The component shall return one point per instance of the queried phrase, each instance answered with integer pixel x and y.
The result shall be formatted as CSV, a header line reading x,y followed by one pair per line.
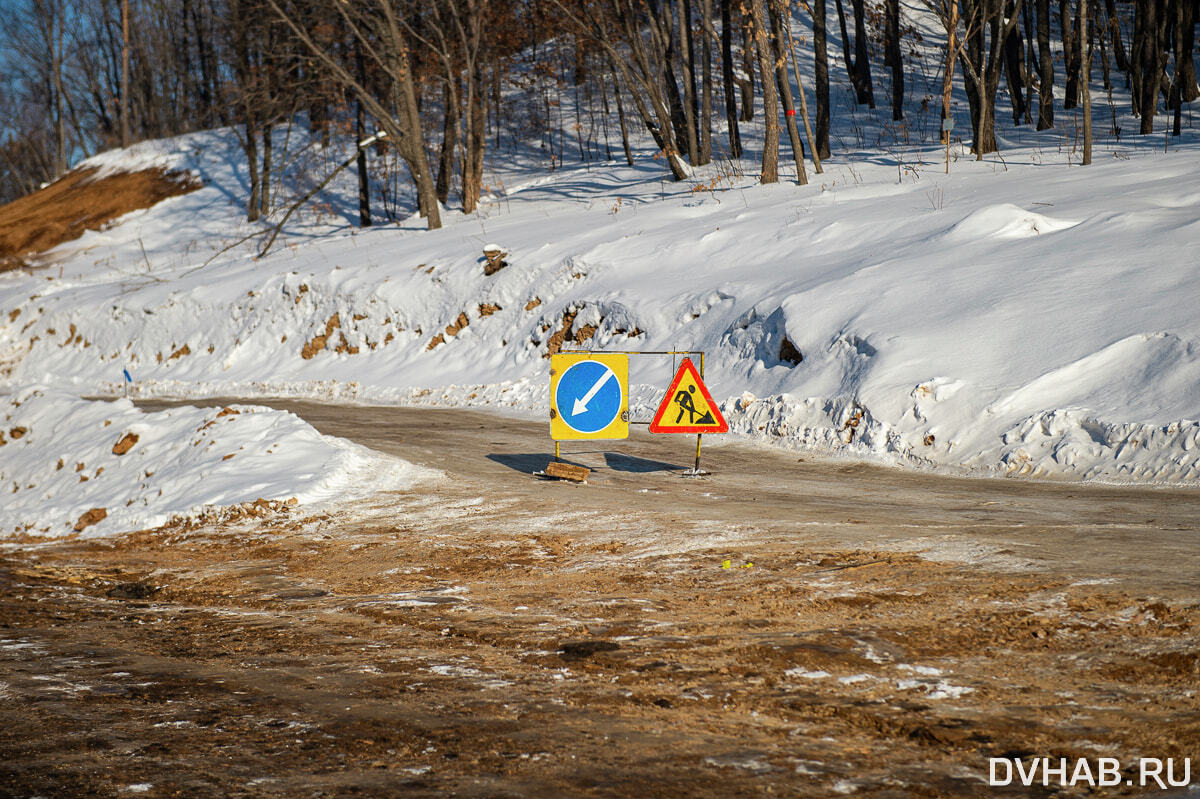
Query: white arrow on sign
x,y
581,404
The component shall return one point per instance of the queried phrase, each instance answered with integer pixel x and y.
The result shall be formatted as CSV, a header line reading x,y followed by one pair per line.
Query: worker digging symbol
x,y
687,407
684,400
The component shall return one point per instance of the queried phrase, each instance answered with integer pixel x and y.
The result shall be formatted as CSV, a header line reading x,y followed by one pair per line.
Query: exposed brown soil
x,y
77,202
759,632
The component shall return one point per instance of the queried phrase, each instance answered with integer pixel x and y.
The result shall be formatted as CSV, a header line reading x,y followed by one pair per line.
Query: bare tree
x,y
125,140
1046,67
1014,68
1068,26
1085,79
892,56
858,66
779,54
987,29
1149,60
377,28
641,67
704,123
766,70
821,76
731,111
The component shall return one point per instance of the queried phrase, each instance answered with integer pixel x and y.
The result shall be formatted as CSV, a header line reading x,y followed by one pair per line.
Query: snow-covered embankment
x,y
69,465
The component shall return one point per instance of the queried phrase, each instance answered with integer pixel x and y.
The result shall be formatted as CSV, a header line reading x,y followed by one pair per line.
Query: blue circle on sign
x,y
588,396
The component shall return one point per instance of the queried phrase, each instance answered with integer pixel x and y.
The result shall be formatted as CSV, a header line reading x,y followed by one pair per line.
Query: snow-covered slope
x,y
99,468
1035,318
1020,315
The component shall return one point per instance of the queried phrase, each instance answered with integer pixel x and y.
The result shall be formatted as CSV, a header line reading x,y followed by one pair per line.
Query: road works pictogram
x,y
687,407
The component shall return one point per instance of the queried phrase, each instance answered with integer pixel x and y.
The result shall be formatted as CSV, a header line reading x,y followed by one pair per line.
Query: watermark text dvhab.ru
x,y
1099,772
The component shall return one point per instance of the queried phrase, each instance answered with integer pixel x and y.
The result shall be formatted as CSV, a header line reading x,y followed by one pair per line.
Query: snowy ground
x,y
63,458
1021,315
1010,316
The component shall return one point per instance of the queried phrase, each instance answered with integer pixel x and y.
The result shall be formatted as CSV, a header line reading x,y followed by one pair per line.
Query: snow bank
x,y
63,459
1014,317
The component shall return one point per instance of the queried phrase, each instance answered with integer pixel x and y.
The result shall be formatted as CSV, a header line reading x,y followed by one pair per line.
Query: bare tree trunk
x,y
1069,27
731,112
748,65
1097,30
413,146
1135,60
125,140
1185,40
360,134
706,83
972,68
1114,28
50,15
1085,79
987,25
785,89
364,181
661,22
821,76
449,141
265,180
1046,63
1031,61
254,203
952,49
496,99
858,67
476,140
688,60
770,158
621,121
892,56
270,111
246,80
1149,47
808,130
1014,70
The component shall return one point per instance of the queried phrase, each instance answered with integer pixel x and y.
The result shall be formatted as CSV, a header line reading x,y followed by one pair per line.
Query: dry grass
x,y
78,202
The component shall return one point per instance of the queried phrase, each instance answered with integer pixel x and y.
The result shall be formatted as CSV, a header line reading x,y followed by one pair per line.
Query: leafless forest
x,y
444,81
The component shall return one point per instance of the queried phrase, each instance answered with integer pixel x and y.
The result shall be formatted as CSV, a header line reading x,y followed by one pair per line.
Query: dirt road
x,y
787,626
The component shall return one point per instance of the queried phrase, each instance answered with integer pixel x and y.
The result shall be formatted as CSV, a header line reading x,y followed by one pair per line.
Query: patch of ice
x,y
928,671
855,678
806,767
944,690
747,762
938,690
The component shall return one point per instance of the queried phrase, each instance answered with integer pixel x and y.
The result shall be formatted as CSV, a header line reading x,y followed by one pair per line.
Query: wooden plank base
x,y
567,471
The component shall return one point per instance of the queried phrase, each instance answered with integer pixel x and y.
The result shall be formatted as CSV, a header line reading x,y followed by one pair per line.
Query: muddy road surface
x,y
786,626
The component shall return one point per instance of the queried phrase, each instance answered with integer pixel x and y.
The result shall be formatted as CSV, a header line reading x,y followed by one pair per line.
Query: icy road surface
x,y
785,627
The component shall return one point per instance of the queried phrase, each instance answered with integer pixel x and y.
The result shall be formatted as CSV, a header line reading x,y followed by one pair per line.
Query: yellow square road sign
x,y
589,396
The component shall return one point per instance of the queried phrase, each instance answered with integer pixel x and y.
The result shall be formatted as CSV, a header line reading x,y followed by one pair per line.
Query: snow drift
x,y
100,468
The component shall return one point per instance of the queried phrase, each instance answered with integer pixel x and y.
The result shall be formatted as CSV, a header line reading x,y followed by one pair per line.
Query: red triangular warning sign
x,y
687,406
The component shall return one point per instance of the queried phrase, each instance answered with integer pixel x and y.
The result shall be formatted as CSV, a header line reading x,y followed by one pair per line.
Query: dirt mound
x,y
80,201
